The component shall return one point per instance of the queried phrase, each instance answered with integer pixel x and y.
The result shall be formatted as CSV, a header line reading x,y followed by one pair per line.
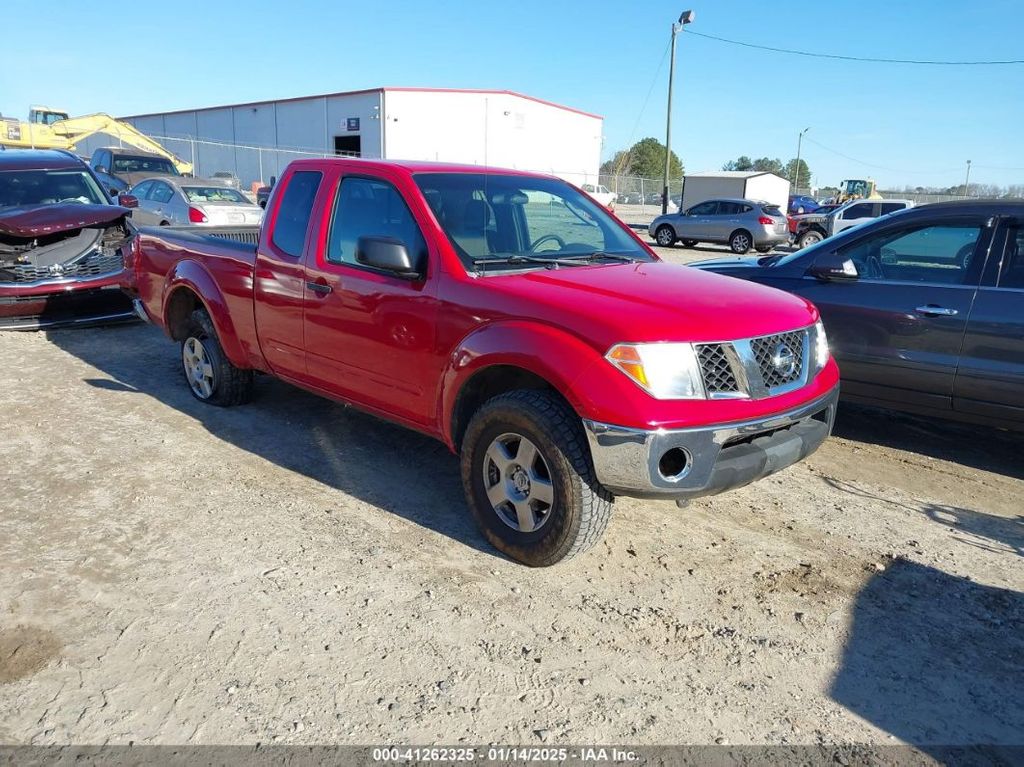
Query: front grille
x,y
94,264
716,370
780,358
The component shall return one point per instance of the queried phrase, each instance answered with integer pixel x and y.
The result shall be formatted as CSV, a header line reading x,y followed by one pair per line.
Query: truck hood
x,y
39,220
649,302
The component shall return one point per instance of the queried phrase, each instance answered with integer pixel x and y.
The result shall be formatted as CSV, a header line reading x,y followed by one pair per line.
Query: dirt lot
x,y
293,571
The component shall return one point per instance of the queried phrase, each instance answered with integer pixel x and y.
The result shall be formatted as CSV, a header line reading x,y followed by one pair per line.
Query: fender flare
x,y
190,274
552,354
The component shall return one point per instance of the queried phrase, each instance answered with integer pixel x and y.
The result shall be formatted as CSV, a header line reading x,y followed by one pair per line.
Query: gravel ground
x,y
293,571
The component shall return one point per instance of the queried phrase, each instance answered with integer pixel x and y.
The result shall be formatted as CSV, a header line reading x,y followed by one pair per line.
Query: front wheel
x,y
529,480
210,375
689,243
740,242
808,238
665,236
763,248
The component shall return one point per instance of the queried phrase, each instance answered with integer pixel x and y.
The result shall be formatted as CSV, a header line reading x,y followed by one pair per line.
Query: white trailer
x,y
747,185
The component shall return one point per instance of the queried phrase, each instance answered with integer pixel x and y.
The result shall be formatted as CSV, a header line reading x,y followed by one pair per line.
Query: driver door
x,y
897,330
697,222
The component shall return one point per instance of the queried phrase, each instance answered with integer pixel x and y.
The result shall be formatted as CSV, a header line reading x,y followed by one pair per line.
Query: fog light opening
x,y
674,463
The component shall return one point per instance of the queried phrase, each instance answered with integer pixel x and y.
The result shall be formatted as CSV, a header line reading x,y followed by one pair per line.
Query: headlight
x,y
666,371
821,352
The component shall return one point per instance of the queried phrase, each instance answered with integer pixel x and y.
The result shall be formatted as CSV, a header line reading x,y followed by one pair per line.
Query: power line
x,y
873,165
863,59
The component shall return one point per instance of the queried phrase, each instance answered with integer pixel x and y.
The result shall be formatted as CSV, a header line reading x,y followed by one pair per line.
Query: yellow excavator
x,y
53,129
857,189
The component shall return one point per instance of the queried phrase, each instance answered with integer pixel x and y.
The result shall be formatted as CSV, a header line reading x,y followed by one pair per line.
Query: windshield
x,y
214,194
491,216
23,188
142,164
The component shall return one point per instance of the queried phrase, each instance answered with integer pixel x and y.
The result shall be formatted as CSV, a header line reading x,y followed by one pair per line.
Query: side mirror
x,y
128,201
273,181
831,267
389,255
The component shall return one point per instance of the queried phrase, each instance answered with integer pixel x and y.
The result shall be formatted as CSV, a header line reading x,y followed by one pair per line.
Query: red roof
x,y
419,166
371,90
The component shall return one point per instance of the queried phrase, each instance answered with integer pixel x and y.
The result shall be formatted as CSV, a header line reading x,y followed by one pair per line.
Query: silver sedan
x,y
192,202
742,224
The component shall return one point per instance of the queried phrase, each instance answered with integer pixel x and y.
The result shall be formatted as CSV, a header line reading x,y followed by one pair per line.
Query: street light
x,y
685,18
796,170
967,179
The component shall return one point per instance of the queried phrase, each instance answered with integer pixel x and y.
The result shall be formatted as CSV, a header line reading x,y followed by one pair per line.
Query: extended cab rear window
x,y
293,214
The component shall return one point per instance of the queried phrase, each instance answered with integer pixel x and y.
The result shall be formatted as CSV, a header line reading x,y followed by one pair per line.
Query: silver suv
x,y
743,224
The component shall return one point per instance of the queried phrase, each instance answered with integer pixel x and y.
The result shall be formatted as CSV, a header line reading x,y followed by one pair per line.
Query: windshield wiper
x,y
514,259
599,254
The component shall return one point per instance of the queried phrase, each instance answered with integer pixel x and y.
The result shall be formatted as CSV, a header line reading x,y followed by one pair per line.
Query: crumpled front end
x,y
68,271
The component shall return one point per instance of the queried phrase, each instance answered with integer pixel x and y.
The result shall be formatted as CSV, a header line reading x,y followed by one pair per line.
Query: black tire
x,y
763,248
665,236
740,241
227,384
581,507
689,243
810,237
165,223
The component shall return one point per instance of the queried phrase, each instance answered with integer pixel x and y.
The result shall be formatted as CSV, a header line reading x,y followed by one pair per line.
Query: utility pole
x,y
796,170
967,178
684,18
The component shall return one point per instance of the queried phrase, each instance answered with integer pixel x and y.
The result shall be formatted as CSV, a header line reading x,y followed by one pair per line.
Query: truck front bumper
x,y
689,463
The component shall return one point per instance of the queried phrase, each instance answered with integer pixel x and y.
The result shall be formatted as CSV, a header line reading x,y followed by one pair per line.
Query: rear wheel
x,y
689,243
529,480
763,248
740,241
665,236
810,237
210,375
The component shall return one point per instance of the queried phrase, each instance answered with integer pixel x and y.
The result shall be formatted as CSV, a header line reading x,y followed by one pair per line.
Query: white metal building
x,y
748,185
479,127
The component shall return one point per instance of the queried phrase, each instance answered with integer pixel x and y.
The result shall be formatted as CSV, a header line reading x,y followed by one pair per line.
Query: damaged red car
x,y
62,243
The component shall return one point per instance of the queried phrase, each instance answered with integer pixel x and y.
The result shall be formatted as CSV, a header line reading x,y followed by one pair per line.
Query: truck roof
x,y
416,166
38,159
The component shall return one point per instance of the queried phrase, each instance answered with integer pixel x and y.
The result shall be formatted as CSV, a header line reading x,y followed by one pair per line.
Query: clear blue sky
x,y
919,124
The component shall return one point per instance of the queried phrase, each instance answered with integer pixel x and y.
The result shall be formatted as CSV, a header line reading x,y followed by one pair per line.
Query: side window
x,y
366,208
294,211
861,210
99,160
892,207
940,253
142,190
728,208
160,192
588,188
1013,274
704,209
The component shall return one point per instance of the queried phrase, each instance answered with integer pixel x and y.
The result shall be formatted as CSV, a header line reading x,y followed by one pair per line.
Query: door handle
x,y
936,311
319,287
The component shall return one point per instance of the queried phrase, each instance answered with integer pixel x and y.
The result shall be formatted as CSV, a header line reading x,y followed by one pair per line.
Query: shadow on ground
x,y
385,465
979,447
903,671
985,531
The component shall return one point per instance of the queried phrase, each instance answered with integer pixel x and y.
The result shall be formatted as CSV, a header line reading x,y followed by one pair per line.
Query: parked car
x,y
263,192
120,169
801,203
601,194
922,307
742,224
546,344
229,178
192,201
62,242
793,220
630,198
815,227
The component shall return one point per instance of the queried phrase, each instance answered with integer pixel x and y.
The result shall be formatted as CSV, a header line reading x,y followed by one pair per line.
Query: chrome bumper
x,y
689,463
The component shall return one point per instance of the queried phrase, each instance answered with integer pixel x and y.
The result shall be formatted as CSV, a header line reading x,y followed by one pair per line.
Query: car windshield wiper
x,y
597,255
514,259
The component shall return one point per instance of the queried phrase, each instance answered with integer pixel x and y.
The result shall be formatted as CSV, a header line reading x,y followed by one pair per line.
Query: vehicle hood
x,y
38,220
648,302
134,178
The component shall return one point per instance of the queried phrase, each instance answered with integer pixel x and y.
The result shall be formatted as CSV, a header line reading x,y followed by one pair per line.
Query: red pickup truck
x,y
511,316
